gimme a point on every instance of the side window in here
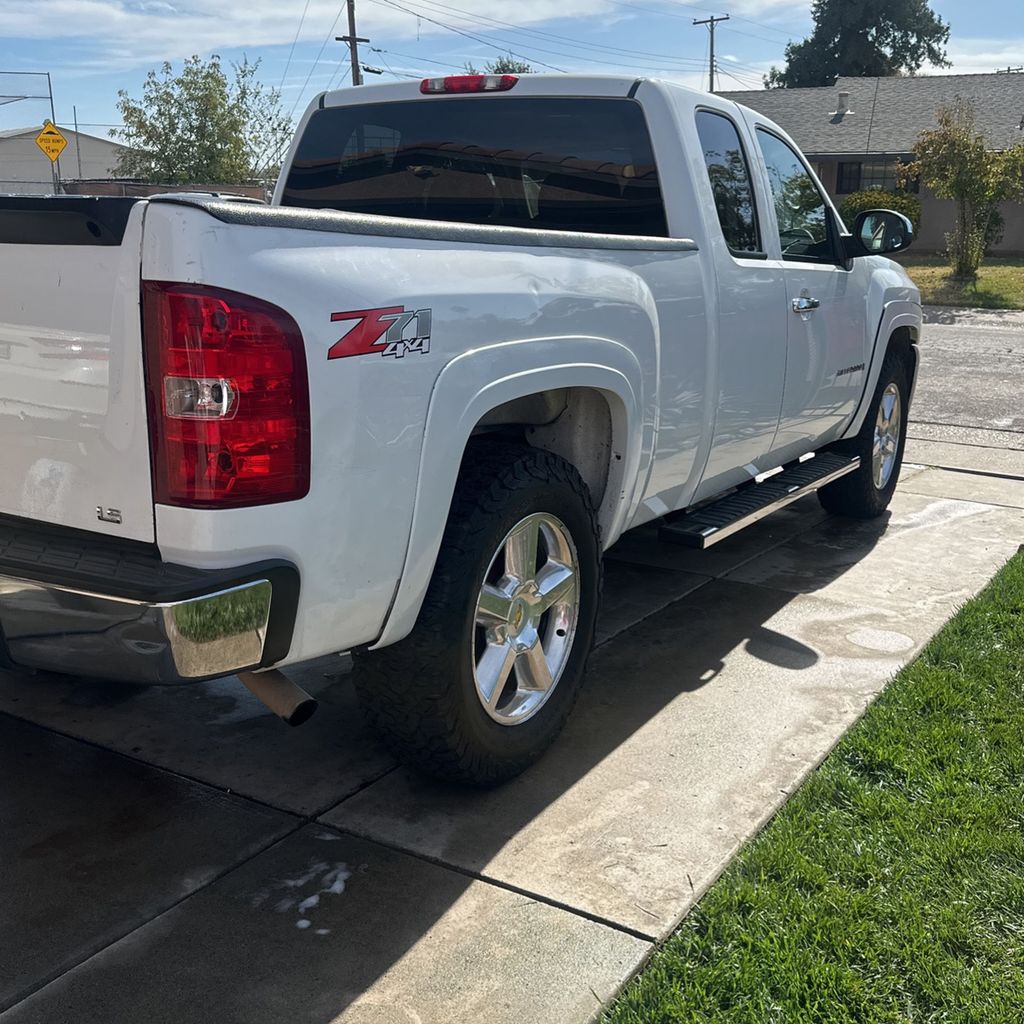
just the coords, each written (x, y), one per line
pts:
(730, 182)
(800, 210)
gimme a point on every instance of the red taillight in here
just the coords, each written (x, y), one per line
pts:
(228, 398)
(469, 83)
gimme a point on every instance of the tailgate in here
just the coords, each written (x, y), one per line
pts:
(74, 447)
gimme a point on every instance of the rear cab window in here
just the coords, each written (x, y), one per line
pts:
(554, 163)
(731, 186)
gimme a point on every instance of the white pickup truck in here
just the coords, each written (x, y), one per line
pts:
(486, 325)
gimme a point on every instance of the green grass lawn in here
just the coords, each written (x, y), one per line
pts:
(1000, 284)
(890, 888)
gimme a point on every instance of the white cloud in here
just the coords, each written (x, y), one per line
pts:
(101, 36)
(768, 9)
(141, 31)
(981, 56)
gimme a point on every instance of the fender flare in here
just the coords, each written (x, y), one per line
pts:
(895, 314)
(479, 381)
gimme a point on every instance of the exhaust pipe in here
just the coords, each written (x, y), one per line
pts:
(289, 702)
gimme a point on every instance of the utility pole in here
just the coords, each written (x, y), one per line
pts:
(55, 166)
(78, 142)
(353, 42)
(711, 22)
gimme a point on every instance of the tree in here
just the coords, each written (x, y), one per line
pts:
(506, 64)
(863, 38)
(955, 163)
(199, 127)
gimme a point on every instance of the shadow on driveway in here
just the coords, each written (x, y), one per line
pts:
(233, 910)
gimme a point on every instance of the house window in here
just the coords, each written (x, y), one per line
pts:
(848, 178)
(864, 174)
(878, 174)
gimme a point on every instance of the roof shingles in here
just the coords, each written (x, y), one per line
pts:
(886, 115)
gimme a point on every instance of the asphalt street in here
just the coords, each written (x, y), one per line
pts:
(971, 389)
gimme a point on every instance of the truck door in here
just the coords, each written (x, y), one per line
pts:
(827, 349)
(752, 317)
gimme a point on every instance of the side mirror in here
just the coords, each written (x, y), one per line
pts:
(877, 232)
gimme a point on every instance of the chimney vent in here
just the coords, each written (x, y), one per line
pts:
(842, 108)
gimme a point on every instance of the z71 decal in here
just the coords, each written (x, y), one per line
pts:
(390, 331)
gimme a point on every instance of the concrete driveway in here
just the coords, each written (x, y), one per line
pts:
(178, 855)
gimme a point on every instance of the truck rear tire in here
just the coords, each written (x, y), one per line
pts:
(866, 493)
(485, 681)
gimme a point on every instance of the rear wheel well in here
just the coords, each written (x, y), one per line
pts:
(584, 426)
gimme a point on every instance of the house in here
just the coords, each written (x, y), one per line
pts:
(856, 131)
(25, 168)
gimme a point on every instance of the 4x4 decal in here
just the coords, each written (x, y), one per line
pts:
(389, 331)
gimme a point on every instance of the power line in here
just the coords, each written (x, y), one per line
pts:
(390, 70)
(686, 62)
(701, 63)
(641, 58)
(287, 134)
(746, 85)
(502, 46)
(750, 35)
(468, 35)
(566, 40)
(288, 63)
(345, 72)
(409, 56)
(320, 53)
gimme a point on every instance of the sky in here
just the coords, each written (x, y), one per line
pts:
(93, 48)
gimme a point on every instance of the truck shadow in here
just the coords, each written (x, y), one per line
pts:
(373, 870)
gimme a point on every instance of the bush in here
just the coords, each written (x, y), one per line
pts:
(880, 199)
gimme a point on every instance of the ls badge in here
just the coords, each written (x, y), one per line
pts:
(390, 331)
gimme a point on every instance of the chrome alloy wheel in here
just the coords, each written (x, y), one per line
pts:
(526, 618)
(886, 443)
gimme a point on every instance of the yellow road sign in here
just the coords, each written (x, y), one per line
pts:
(50, 141)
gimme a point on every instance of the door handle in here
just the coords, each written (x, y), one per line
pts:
(805, 304)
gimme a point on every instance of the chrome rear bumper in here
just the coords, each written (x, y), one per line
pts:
(98, 608)
(71, 631)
